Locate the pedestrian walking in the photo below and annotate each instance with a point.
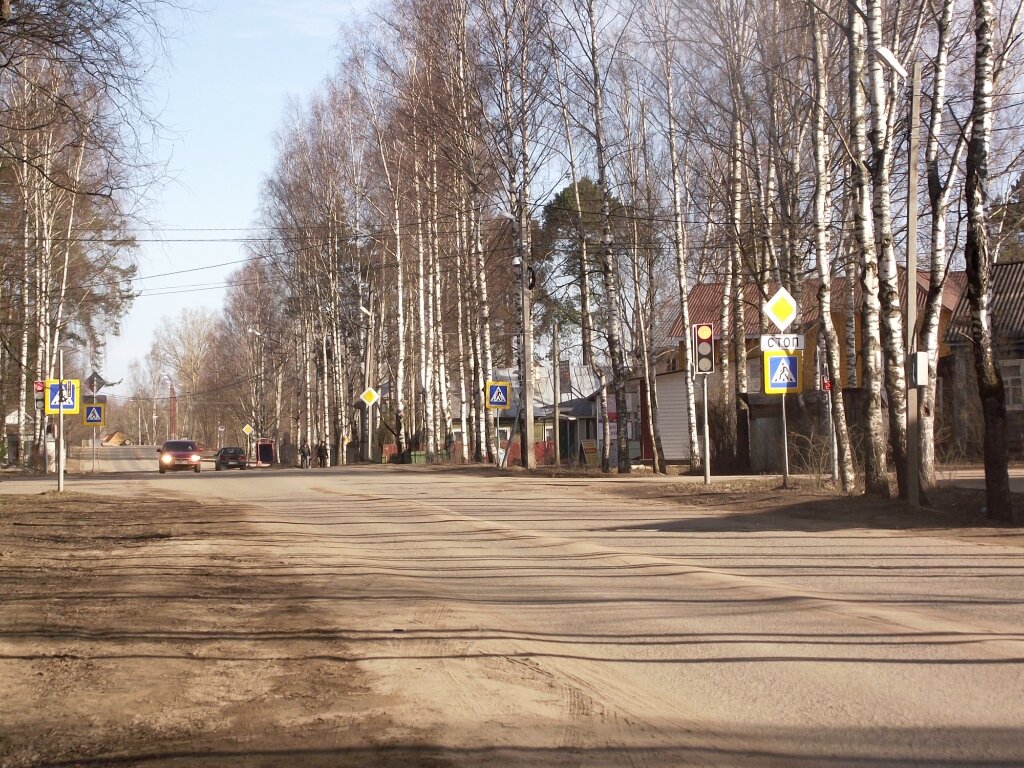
(304, 455)
(321, 455)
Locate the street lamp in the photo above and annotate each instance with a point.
(913, 357)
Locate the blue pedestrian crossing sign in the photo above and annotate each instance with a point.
(782, 373)
(497, 394)
(63, 396)
(94, 415)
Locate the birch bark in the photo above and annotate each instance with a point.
(940, 185)
(876, 481)
(890, 310)
(821, 243)
(979, 265)
(609, 261)
(679, 243)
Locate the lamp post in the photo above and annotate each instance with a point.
(913, 368)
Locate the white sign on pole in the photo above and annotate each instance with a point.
(781, 309)
(782, 341)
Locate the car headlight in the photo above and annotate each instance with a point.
(195, 457)
(167, 458)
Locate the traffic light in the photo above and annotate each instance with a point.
(703, 348)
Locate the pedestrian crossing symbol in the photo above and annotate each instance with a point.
(63, 396)
(92, 415)
(497, 394)
(782, 373)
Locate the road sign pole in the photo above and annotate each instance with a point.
(60, 424)
(785, 445)
(367, 436)
(94, 450)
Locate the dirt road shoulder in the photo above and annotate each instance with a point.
(154, 631)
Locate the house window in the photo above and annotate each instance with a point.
(1013, 383)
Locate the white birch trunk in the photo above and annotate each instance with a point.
(979, 265)
(680, 242)
(876, 479)
(821, 242)
(939, 187)
(891, 313)
(609, 262)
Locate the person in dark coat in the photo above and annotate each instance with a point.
(304, 455)
(321, 455)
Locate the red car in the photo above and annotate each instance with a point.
(179, 454)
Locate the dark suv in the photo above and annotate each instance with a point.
(230, 457)
(179, 454)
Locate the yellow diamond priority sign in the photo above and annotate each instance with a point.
(781, 309)
(370, 396)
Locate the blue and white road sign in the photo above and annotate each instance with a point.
(92, 415)
(782, 373)
(63, 396)
(497, 394)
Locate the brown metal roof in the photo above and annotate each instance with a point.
(1007, 307)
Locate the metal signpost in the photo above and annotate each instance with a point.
(39, 400)
(248, 430)
(369, 397)
(94, 413)
(704, 365)
(62, 396)
(498, 399)
(782, 361)
(833, 449)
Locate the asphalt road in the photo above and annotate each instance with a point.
(513, 621)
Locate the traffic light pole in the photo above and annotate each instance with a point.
(703, 365)
(707, 436)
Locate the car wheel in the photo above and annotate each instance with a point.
(197, 469)
(162, 470)
(217, 466)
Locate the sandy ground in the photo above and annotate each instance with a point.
(397, 617)
(155, 627)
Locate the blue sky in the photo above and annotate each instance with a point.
(221, 94)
